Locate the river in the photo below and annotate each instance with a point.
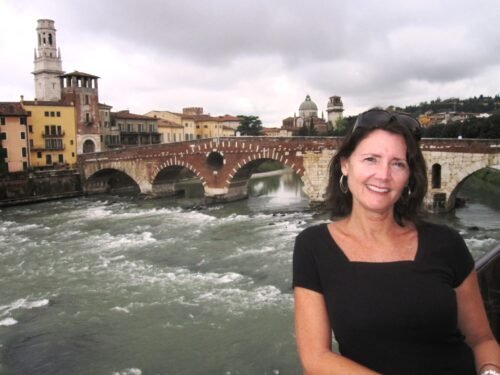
(130, 286)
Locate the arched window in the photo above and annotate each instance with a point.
(50, 39)
(436, 176)
(88, 146)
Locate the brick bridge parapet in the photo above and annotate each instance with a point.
(224, 165)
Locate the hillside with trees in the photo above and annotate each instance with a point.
(481, 104)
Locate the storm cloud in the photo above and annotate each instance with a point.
(262, 57)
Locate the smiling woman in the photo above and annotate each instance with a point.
(399, 294)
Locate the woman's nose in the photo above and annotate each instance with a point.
(383, 171)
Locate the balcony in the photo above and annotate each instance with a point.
(53, 135)
(44, 148)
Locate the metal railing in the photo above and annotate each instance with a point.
(53, 135)
(488, 273)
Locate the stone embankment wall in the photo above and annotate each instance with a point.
(39, 186)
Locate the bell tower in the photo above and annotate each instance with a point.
(48, 63)
(334, 108)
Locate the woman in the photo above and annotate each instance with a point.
(399, 294)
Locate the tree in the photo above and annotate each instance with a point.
(250, 125)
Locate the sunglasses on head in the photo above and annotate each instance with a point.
(375, 118)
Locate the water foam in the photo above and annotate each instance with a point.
(8, 322)
(22, 303)
(128, 371)
(121, 309)
(476, 243)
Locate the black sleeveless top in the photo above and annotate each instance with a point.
(392, 317)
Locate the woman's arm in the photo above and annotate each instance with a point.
(313, 335)
(474, 325)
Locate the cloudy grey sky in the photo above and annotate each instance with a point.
(261, 57)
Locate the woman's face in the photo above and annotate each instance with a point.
(377, 171)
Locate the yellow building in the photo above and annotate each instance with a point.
(170, 131)
(13, 138)
(51, 134)
(197, 125)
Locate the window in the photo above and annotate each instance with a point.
(25, 165)
(31, 143)
(61, 158)
(87, 117)
(22, 120)
(30, 128)
(436, 176)
(29, 113)
(59, 130)
(23, 135)
(205, 126)
(24, 152)
(86, 99)
(52, 114)
(46, 114)
(71, 142)
(73, 154)
(3, 152)
(2, 120)
(48, 159)
(39, 155)
(3, 136)
(58, 114)
(47, 130)
(53, 130)
(54, 144)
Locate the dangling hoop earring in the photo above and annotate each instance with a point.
(406, 197)
(343, 184)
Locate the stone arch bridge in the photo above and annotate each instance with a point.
(224, 165)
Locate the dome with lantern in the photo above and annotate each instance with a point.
(308, 108)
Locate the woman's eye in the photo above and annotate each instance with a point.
(400, 164)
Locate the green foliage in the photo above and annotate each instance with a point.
(250, 125)
(481, 104)
(308, 129)
(343, 126)
(489, 175)
(487, 128)
(269, 165)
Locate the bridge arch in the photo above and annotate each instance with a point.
(170, 172)
(111, 180)
(237, 183)
(451, 201)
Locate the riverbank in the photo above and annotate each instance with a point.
(40, 186)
